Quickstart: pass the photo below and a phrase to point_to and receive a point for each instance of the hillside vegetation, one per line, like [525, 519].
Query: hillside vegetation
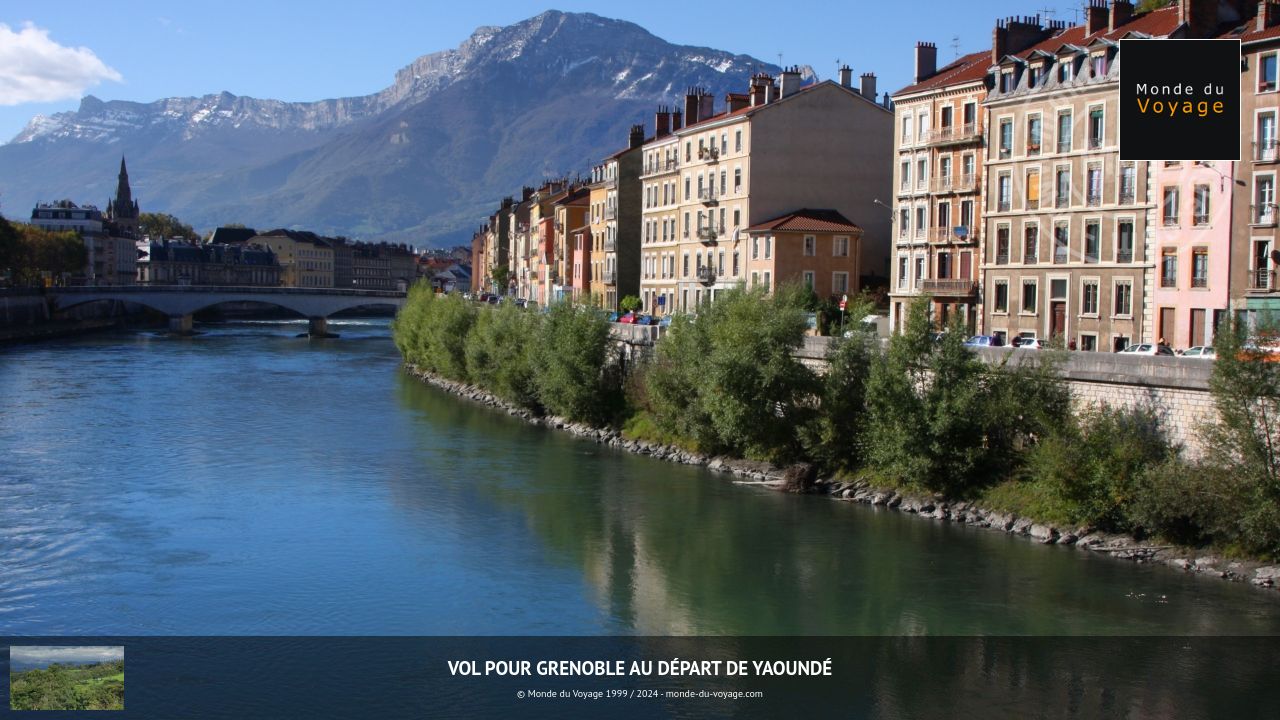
[69, 687]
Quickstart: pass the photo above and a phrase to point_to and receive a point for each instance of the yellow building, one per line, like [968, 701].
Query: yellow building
[305, 259]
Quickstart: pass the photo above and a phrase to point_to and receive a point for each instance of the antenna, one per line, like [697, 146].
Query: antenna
[779, 59]
[955, 45]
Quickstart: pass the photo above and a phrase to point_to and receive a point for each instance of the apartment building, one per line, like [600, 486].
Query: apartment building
[622, 219]
[570, 210]
[659, 180]
[595, 235]
[819, 248]
[937, 179]
[774, 150]
[518, 244]
[1255, 252]
[305, 259]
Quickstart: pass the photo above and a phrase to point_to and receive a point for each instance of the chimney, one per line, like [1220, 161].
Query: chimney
[691, 106]
[636, 139]
[1268, 14]
[1015, 34]
[1095, 16]
[1200, 17]
[662, 122]
[735, 101]
[868, 88]
[926, 60]
[1121, 11]
[677, 120]
[846, 76]
[790, 81]
[526, 193]
[759, 82]
[706, 104]
[770, 92]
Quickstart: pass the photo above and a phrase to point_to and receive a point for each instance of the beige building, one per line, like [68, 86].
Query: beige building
[305, 259]
[937, 179]
[776, 149]
[593, 274]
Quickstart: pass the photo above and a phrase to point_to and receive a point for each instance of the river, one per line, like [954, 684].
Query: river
[249, 482]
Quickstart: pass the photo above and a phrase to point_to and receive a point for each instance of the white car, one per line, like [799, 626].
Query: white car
[1147, 349]
[1205, 352]
[1029, 343]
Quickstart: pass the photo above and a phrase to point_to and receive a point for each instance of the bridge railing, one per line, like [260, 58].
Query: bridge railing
[236, 289]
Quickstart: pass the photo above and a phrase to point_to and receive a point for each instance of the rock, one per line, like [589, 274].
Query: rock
[895, 500]
[799, 478]
[1043, 534]
[1268, 576]
[1020, 526]
[1067, 538]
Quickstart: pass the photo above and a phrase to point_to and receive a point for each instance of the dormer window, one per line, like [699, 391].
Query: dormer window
[1033, 77]
[1064, 70]
[1099, 62]
[1006, 81]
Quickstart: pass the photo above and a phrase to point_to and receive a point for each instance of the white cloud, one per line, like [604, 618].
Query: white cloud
[44, 655]
[34, 68]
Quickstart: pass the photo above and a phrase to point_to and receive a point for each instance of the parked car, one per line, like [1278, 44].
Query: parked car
[628, 319]
[645, 320]
[1205, 352]
[494, 299]
[664, 321]
[1147, 349]
[984, 341]
[1026, 343]
[614, 317]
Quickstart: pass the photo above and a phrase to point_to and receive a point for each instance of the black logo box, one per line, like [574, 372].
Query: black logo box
[1193, 65]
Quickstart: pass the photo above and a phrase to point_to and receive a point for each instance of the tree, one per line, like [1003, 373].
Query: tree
[630, 303]
[162, 226]
[569, 364]
[837, 436]
[501, 276]
[1149, 5]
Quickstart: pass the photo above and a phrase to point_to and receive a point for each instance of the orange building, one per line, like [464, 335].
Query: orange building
[819, 248]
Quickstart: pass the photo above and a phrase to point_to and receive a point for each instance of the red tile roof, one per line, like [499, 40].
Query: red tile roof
[807, 220]
[966, 69]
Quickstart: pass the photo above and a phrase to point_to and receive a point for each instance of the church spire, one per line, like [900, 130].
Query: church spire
[123, 210]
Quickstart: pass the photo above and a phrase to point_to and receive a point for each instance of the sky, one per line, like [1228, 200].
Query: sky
[33, 656]
[52, 54]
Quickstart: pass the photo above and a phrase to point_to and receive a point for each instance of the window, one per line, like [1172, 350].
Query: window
[1062, 193]
[768, 247]
[808, 279]
[1168, 268]
[905, 182]
[966, 215]
[1002, 245]
[1006, 138]
[1029, 290]
[1170, 206]
[737, 141]
[735, 263]
[839, 283]
[970, 116]
[737, 217]
[1093, 185]
[1064, 132]
[1128, 183]
[1004, 190]
[1265, 200]
[1002, 296]
[1032, 200]
[1064, 71]
[1202, 205]
[1096, 132]
[904, 222]
[737, 180]
[944, 217]
[766, 281]
[1031, 244]
[686, 264]
[922, 173]
[1006, 81]
[1124, 241]
[1092, 240]
[1267, 72]
[1200, 268]
[944, 170]
[810, 245]
[1088, 342]
[840, 246]
[919, 269]
[902, 272]
[1033, 75]
[1033, 135]
[1124, 298]
[686, 187]
[944, 266]
[922, 221]
[1089, 297]
[1099, 63]
[1061, 243]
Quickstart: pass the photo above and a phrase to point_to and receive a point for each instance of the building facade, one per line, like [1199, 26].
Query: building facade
[818, 248]
[171, 262]
[306, 260]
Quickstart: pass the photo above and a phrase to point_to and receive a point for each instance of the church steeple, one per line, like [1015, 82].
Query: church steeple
[123, 210]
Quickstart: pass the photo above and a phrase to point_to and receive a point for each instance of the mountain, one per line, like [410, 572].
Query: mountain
[421, 161]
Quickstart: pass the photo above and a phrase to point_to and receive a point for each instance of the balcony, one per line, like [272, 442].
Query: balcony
[1261, 280]
[1003, 205]
[1093, 200]
[609, 277]
[1124, 255]
[1126, 196]
[708, 196]
[1061, 201]
[1030, 256]
[706, 274]
[1033, 149]
[610, 212]
[1032, 203]
[951, 288]
[1263, 214]
[1060, 256]
[1199, 281]
[948, 235]
[1265, 152]
[1199, 219]
[1064, 146]
[1005, 153]
[1002, 258]
[1095, 143]
[953, 135]
[710, 154]
[610, 244]
[709, 233]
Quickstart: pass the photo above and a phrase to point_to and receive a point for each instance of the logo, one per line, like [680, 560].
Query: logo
[1179, 99]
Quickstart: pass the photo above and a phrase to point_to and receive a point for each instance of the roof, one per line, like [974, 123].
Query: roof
[965, 69]
[1248, 32]
[807, 220]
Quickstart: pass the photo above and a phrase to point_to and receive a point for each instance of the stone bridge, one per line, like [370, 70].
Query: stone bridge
[180, 302]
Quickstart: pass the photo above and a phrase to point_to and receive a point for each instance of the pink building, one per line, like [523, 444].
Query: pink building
[581, 267]
[1191, 250]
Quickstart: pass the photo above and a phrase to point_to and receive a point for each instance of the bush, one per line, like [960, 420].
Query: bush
[569, 365]
[499, 352]
[410, 322]
[836, 437]
[1097, 465]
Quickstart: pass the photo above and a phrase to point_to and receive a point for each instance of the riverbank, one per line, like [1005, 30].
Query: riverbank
[55, 329]
[1189, 560]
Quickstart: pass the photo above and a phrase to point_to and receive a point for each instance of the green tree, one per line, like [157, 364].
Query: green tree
[630, 303]
[501, 276]
[837, 436]
[163, 225]
[499, 353]
[569, 364]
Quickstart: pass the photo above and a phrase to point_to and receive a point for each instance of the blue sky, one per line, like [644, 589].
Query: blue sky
[51, 54]
[38, 656]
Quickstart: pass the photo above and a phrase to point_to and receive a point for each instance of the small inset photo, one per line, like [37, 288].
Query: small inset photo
[50, 677]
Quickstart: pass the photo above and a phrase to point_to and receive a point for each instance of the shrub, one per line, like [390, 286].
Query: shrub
[409, 324]
[569, 357]
[446, 321]
[836, 437]
[499, 352]
[630, 303]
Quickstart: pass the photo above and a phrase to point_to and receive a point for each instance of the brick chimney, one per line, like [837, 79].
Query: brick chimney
[770, 92]
[1200, 17]
[1121, 11]
[789, 81]
[846, 76]
[662, 122]
[736, 101]
[692, 104]
[1268, 15]
[1015, 34]
[636, 138]
[926, 60]
[759, 82]
[1096, 16]
[706, 104]
[677, 120]
[868, 87]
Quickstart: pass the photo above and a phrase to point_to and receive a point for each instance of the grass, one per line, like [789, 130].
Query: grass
[642, 427]
[69, 687]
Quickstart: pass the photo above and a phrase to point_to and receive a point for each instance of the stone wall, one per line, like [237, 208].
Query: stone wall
[1176, 388]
